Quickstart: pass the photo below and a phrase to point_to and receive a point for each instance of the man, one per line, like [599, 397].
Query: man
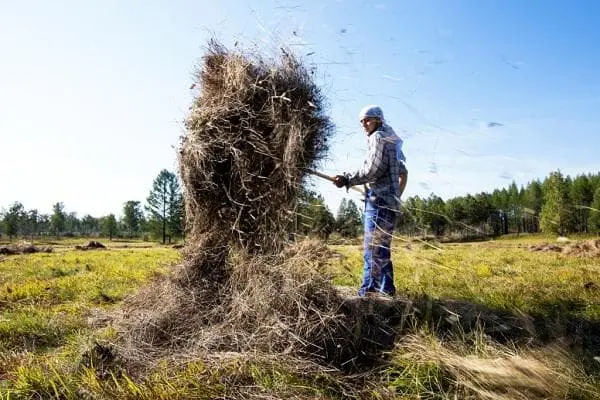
[384, 172]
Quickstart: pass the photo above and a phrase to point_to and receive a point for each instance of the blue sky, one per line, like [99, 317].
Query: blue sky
[93, 93]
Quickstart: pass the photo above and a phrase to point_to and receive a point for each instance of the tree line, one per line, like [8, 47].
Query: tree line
[160, 218]
[313, 217]
[558, 204]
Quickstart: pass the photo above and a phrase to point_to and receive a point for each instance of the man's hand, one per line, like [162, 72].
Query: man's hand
[341, 181]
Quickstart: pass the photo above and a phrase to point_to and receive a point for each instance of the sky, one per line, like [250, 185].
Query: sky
[93, 94]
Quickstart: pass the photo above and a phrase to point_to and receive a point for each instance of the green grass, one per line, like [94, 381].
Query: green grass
[499, 274]
[45, 300]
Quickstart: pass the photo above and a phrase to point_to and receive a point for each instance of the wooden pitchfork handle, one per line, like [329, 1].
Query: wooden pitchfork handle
[331, 179]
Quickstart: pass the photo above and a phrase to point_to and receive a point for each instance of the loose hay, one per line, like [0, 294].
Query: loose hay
[251, 133]
[24, 248]
[274, 304]
[545, 247]
[91, 245]
[587, 248]
[494, 372]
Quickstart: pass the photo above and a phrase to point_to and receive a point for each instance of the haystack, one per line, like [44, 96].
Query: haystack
[252, 131]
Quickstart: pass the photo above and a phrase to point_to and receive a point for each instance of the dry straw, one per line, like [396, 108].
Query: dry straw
[253, 130]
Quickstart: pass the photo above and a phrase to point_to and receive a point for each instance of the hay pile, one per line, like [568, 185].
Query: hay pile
[279, 304]
[253, 129]
[91, 245]
[586, 248]
[251, 133]
[24, 248]
[545, 247]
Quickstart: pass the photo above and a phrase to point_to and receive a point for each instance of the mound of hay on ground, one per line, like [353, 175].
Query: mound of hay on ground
[252, 132]
[588, 248]
[272, 304]
[91, 245]
[24, 248]
[545, 247]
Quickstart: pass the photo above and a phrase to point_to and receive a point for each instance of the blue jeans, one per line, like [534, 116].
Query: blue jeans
[378, 273]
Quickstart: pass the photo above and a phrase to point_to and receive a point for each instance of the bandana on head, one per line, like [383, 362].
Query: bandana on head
[371, 111]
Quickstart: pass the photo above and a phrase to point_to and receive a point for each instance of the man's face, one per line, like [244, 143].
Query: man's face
[369, 124]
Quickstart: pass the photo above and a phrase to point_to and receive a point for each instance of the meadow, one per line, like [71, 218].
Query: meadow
[490, 315]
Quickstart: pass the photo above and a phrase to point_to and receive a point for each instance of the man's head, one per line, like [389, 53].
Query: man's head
[371, 118]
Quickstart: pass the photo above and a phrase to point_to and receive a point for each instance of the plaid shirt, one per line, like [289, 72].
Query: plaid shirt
[381, 169]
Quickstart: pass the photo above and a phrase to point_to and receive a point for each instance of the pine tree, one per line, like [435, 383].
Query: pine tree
[89, 224]
[556, 214]
[13, 219]
[31, 225]
[582, 196]
[58, 219]
[165, 205]
[132, 217]
[109, 226]
[594, 218]
[313, 216]
[349, 219]
[515, 207]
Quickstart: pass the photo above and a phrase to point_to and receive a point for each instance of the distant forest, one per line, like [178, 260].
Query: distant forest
[557, 205]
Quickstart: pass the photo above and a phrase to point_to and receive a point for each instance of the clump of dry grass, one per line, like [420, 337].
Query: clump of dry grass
[254, 128]
[492, 371]
[91, 245]
[24, 248]
[252, 132]
[587, 248]
[275, 304]
[544, 247]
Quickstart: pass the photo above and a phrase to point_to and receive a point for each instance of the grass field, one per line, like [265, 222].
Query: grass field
[502, 274]
[549, 303]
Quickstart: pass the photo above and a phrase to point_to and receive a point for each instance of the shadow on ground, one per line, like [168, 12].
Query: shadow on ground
[380, 322]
